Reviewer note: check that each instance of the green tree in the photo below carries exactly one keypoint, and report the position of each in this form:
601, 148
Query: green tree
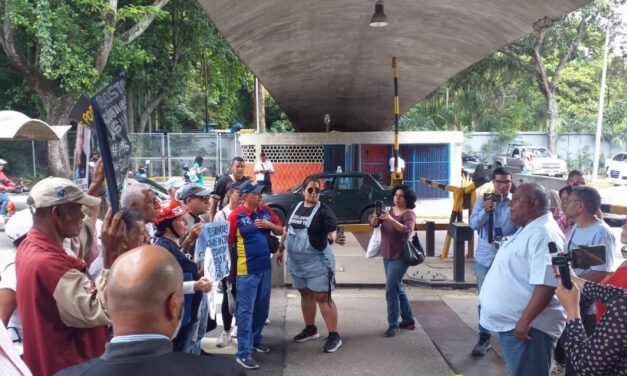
61, 48
545, 53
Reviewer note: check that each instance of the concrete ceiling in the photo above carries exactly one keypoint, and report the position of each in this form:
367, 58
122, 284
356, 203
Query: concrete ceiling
321, 57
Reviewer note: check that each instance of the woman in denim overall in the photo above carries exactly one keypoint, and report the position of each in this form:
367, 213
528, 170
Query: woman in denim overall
312, 266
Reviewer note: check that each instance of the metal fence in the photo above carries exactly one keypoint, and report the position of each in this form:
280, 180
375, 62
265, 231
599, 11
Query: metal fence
166, 153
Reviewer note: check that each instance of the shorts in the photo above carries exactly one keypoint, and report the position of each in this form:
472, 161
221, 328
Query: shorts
319, 283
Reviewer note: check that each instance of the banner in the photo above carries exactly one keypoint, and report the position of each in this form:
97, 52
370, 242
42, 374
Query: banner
213, 242
109, 106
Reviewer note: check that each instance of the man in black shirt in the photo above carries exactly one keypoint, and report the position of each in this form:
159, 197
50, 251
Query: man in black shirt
218, 196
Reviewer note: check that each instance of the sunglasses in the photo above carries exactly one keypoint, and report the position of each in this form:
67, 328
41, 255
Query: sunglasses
311, 190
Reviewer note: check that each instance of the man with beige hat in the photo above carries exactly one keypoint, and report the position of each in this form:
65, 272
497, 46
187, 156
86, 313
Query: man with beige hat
61, 307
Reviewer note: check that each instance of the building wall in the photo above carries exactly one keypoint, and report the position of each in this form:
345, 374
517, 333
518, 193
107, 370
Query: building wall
432, 155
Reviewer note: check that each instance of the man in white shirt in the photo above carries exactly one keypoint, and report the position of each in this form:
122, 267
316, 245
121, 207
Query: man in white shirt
263, 170
517, 297
400, 167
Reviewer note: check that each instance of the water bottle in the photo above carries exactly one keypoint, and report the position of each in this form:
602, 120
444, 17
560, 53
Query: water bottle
339, 169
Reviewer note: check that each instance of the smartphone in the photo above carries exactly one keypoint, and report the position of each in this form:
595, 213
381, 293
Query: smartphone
340, 230
378, 207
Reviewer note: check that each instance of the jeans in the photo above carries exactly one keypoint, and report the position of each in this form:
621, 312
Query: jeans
253, 306
203, 314
528, 358
480, 272
398, 304
4, 200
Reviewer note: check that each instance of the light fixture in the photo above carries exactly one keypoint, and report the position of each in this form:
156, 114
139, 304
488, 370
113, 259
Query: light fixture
379, 19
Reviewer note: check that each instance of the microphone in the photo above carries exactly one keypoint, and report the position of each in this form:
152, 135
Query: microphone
562, 265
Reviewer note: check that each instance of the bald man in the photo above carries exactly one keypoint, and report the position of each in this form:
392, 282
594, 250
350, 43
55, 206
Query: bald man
145, 302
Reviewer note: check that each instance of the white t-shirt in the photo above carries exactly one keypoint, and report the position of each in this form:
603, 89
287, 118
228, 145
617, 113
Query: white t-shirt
401, 164
9, 281
259, 165
522, 262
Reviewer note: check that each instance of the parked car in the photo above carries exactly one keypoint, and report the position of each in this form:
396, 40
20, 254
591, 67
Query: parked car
351, 196
535, 159
158, 189
616, 169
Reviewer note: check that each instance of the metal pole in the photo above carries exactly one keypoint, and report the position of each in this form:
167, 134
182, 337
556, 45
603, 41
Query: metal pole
396, 176
459, 263
34, 163
257, 103
430, 238
164, 155
597, 138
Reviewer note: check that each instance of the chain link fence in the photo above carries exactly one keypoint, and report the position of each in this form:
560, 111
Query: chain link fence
162, 154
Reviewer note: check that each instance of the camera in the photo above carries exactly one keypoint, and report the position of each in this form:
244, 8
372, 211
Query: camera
494, 197
582, 257
378, 207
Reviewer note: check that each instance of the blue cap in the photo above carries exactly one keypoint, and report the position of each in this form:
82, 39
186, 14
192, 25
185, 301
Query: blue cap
250, 186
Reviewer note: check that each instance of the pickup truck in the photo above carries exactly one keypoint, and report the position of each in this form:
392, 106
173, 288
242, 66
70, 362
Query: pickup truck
535, 160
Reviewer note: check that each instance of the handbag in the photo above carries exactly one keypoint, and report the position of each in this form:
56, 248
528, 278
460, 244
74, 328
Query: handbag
273, 242
374, 245
413, 255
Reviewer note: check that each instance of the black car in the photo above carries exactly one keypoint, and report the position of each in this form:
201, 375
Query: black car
351, 195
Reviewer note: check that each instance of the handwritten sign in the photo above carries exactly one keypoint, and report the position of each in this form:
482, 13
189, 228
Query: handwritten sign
110, 103
214, 242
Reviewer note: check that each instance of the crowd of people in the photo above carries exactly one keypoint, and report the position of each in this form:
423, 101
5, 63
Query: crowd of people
128, 294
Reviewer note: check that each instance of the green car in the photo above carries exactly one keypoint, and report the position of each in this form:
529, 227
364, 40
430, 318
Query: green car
351, 195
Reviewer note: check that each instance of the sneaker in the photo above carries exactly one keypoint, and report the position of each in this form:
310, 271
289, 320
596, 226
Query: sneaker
333, 343
410, 325
267, 322
234, 331
391, 332
260, 347
248, 362
482, 346
224, 339
309, 333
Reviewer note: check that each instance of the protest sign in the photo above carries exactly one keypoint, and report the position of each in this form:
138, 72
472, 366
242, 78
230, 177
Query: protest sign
213, 242
82, 114
109, 110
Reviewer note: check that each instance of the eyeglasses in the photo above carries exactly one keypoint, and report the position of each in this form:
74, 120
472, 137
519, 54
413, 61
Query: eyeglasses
311, 190
502, 182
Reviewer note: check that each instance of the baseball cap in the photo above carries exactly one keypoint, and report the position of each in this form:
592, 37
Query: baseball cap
19, 224
250, 186
192, 190
53, 191
2, 161
174, 183
233, 185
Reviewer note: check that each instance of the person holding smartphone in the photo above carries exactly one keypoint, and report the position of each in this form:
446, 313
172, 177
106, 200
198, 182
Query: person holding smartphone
311, 229
397, 225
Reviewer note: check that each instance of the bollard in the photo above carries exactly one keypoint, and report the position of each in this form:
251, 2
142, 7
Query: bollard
460, 232
430, 238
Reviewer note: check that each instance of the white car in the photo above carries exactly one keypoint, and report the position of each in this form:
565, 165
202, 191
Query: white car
616, 169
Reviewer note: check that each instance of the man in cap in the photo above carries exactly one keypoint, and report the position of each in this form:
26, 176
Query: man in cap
145, 301
63, 315
172, 185
195, 199
250, 268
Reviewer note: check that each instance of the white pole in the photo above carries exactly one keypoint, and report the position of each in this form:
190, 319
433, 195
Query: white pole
257, 103
597, 139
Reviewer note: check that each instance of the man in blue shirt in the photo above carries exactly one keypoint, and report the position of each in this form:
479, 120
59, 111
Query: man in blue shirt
486, 250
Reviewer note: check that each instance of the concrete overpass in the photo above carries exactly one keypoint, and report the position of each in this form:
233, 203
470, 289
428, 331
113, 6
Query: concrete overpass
321, 57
